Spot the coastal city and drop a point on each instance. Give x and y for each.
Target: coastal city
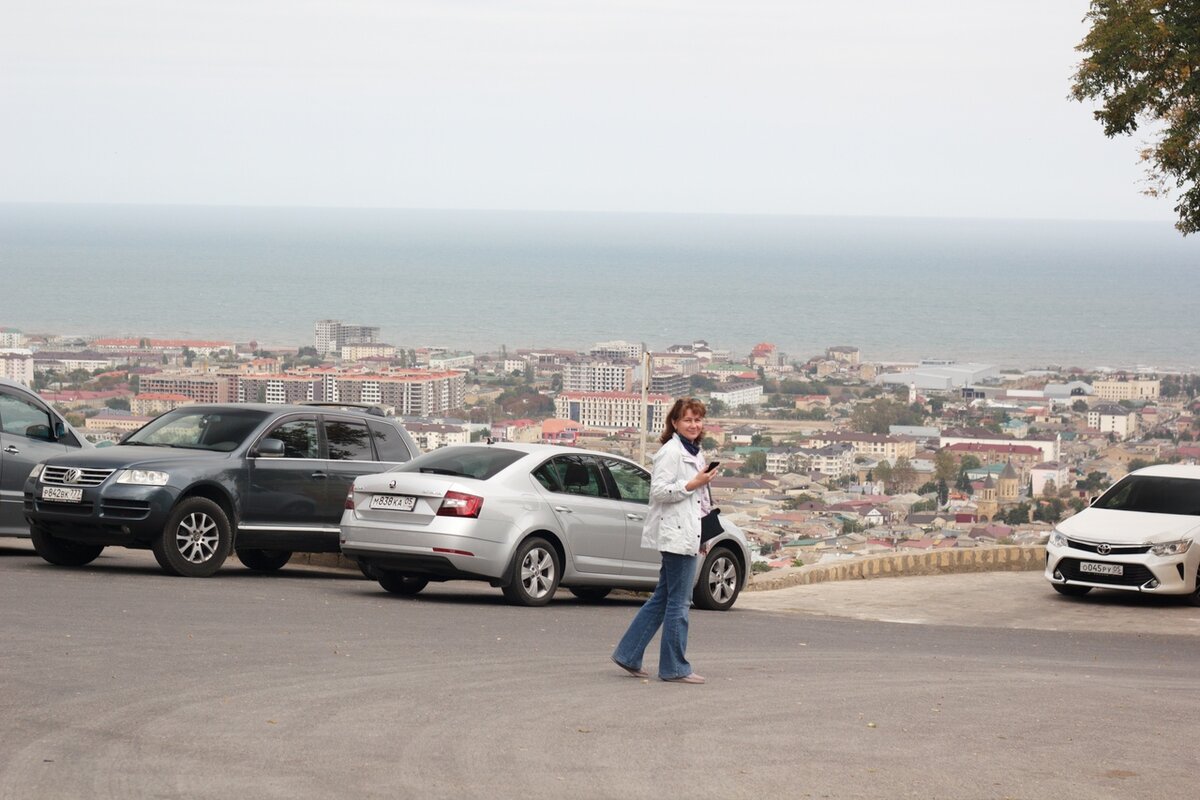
(824, 457)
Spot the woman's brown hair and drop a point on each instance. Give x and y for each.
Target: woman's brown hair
(681, 407)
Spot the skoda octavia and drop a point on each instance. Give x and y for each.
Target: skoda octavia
(1138, 536)
(526, 518)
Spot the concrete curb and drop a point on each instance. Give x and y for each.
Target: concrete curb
(1004, 558)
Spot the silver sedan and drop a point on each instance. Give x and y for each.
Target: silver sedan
(526, 518)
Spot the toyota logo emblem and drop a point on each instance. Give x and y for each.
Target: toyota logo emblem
(72, 475)
(1103, 549)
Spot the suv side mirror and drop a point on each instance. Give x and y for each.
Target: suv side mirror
(269, 448)
(41, 432)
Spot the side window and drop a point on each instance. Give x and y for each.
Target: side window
(22, 418)
(633, 483)
(299, 437)
(348, 441)
(388, 442)
(571, 475)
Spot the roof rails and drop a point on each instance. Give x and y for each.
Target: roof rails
(364, 407)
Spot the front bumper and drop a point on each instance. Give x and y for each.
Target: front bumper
(111, 513)
(1138, 571)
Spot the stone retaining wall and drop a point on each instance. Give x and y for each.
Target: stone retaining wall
(1005, 558)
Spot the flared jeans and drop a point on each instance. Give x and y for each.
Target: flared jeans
(667, 608)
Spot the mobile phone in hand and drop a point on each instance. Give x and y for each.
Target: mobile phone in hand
(712, 465)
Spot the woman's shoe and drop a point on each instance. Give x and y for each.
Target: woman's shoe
(692, 678)
(637, 673)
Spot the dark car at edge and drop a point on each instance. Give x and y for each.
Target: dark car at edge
(202, 481)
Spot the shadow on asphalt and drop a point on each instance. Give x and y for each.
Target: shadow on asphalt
(1117, 599)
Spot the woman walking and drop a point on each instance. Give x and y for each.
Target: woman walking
(678, 499)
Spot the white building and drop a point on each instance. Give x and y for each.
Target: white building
(358, 352)
(1114, 419)
(738, 395)
(431, 436)
(10, 338)
(17, 365)
(1117, 390)
(599, 376)
(445, 361)
(331, 335)
(619, 410)
(1048, 472)
(617, 349)
(938, 375)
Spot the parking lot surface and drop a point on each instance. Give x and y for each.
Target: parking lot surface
(119, 682)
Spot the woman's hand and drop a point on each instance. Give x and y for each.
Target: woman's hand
(701, 479)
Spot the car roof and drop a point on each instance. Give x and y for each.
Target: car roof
(547, 450)
(274, 408)
(1190, 471)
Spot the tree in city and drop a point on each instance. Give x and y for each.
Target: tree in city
(883, 472)
(943, 492)
(879, 415)
(118, 403)
(944, 466)
(1141, 61)
(709, 443)
(755, 464)
(904, 476)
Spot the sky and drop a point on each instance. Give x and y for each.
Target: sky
(931, 108)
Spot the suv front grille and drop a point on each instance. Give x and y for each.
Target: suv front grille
(82, 477)
(1133, 574)
(1116, 549)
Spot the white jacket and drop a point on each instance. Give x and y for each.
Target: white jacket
(673, 521)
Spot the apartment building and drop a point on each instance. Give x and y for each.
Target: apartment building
(446, 361)
(613, 410)
(359, 352)
(617, 350)
(671, 383)
(599, 376)
(151, 405)
(17, 365)
(869, 445)
(331, 335)
(11, 338)
(431, 436)
(1049, 446)
(1113, 418)
(278, 389)
(1048, 473)
(739, 394)
(1117, 389)
(201, 387)
(416, 393)
(1022, 457)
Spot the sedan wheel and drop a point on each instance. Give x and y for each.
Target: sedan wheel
(397, 583)
(195, 541)
(535, 574)
(263, 560)
(720, 581)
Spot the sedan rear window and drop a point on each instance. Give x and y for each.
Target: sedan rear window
(1154, 495)
(480, 462)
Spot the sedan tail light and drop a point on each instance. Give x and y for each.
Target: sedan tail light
(459, 504)
(350, 501)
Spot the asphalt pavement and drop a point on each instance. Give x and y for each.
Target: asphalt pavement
(117, 681)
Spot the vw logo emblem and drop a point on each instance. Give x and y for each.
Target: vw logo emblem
(72, 475)
(1103, 549)
(391, 484)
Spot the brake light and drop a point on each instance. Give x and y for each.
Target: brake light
(459, 504)
(349, 506)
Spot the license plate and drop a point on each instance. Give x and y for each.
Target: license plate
(59, 494)
(1101, 569)
(394, 502)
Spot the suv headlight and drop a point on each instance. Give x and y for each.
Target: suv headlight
(1058, 538)
(36, 472)
(1176, 548)
(143, 477)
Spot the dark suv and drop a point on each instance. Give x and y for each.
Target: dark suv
(202, 480)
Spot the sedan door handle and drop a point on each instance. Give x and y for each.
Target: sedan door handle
(563, 509)
(635, 517)
(319, 475)
(11, 449)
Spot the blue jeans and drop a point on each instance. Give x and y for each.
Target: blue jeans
(667, 608)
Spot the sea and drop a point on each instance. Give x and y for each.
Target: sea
(1022, 294)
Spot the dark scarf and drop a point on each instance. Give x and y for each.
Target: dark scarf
(691, 447)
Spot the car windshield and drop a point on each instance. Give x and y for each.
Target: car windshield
(1153, 494)
(480, 462)
(221, 431)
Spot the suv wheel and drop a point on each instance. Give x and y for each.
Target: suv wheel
(534, 575)
(63, 552)
(720, 581)
(195, 541)
(263, 560)
(1070, 589)
(590, 594)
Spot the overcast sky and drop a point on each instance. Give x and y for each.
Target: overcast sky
(876, 107)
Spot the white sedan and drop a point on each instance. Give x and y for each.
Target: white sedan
(526, 518)
(1138, 536)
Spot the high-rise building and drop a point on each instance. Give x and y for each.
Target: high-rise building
(330, 335)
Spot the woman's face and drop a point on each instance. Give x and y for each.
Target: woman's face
(690, 426)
